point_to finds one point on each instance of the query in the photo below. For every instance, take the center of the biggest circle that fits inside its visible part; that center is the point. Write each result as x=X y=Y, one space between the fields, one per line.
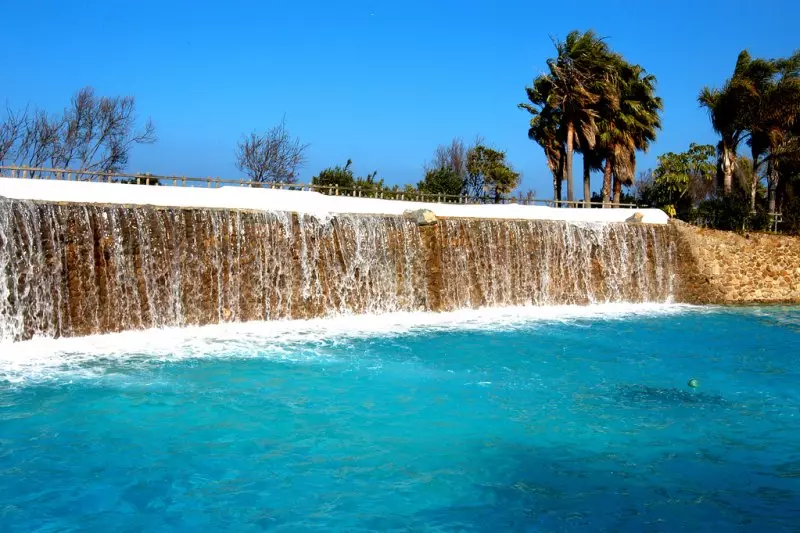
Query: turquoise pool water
x=518 y=420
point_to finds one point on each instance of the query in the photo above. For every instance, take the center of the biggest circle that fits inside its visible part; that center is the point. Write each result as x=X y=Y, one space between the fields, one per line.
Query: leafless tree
x=98 y=133
x=94 y=134
x=454 y=156
x=39 y=140
x=11 y=129
x=273 y=156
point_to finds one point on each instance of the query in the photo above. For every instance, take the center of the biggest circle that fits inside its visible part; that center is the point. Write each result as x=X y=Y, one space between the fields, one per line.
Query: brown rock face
x=728 y=268
x=68 y=270
x=72 y=269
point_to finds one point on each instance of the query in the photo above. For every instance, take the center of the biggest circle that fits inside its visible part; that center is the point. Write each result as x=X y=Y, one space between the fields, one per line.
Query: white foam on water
x=43 y=359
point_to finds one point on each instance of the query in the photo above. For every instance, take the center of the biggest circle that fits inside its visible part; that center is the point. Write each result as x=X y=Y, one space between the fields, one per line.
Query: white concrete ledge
x=305 y=202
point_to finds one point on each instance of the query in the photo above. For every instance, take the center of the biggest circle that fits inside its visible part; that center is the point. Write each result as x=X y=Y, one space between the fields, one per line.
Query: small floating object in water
x=693 y=383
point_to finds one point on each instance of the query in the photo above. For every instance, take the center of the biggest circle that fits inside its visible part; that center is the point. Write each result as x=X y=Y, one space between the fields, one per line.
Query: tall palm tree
x=777 y=122
x=745 y=99
x=727 y=120
x=573 y=86
x=545 y=131
x=730 y=110
x=629 y=122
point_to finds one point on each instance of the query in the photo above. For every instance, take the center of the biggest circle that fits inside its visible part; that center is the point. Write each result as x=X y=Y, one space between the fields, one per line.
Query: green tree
x=593 y=101
x=576 y=82
x=677 y=176
x=443 y=180
x=370 y=186
x=776 y=127
x=727 y=109
x=751 y=84
x=545 y=130
x=759 y=103
x=490 y=167
x=333 y=177
x=628 y=123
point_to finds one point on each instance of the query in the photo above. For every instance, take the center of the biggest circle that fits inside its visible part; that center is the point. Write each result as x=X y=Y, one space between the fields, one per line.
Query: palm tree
x=629 y=122
x=726 y=119
x=777 y=124
x=729 y=109
x=573 y=86
x=744 y=105
x=544 y=130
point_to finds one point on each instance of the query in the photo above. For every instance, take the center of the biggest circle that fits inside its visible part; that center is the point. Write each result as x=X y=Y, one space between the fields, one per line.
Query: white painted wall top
x=305 y=202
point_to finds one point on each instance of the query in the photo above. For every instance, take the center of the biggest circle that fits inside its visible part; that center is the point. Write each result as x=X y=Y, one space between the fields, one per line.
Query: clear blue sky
x=381 y=82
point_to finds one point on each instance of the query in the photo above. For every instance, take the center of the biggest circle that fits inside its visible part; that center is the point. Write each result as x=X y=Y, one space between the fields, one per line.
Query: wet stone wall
x=73 y=269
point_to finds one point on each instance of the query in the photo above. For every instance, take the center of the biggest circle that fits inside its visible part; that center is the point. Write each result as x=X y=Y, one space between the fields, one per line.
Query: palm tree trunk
x=754 y=182
x=559 y=181
x=727 y=164
x=559 y=191
x=587 y=177
x=772 y=183
x=568 y=163
x=607 y=184
x=556 y=189
x=617 y=191
x=780 y=194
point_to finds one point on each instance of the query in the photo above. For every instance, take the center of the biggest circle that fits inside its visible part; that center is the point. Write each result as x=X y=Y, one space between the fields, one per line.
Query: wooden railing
x=64 y=174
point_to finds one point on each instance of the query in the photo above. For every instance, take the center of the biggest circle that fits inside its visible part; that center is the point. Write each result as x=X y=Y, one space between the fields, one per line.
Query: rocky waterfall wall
x=73 y=269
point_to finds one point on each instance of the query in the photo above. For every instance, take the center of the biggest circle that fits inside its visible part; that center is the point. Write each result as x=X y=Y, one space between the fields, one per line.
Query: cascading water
x=517 y=262
x=72 y=269
x=69 y=270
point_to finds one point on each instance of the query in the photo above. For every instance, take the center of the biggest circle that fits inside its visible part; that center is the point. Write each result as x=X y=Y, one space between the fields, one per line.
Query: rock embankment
x=731 y=268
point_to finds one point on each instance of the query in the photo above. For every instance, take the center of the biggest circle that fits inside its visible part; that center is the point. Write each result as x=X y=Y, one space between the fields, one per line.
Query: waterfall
x=73 y=269
x=517 y=262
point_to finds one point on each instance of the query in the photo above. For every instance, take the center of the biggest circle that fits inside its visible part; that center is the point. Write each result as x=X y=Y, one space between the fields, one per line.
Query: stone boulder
x=423 y=217
x=636 y=218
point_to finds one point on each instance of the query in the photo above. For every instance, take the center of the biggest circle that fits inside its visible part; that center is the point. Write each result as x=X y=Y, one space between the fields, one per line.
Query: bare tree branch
x=454 y=156
x=96 y=134
x=11 y=130
x=273 y=156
